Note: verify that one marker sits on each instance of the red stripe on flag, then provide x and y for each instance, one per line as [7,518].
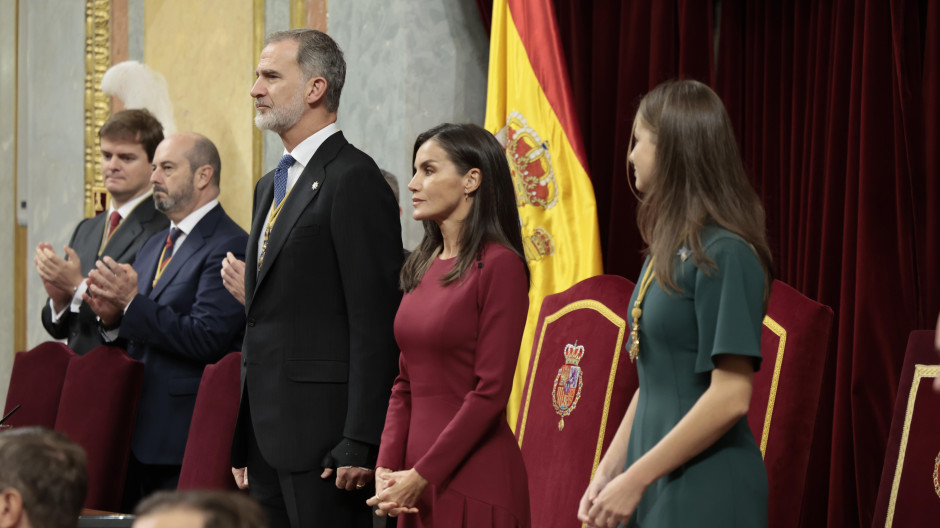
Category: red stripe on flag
[538,30]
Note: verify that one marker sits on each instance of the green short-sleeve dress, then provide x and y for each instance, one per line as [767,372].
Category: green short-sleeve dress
[680,335]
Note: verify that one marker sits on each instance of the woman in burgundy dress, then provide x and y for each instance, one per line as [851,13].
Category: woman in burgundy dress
[448,458]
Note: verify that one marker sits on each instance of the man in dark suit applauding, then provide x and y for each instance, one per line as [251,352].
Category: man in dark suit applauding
[170,310]
[321,291]
[128,140]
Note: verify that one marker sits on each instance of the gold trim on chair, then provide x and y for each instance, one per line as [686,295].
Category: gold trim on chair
[621,325]
[97,104]
[781,333]
[920,371]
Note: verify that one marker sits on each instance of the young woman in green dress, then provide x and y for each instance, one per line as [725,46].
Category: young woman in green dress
[683,454]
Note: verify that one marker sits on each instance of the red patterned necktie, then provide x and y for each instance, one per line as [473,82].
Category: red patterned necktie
[113,222]
[167,252]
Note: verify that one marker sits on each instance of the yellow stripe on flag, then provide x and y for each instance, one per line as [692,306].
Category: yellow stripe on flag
[553,190]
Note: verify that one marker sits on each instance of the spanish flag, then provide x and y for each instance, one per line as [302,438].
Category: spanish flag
[529,108]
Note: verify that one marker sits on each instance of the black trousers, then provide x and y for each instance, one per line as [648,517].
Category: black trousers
[303,499]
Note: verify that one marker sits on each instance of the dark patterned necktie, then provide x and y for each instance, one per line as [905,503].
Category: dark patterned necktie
[280,178]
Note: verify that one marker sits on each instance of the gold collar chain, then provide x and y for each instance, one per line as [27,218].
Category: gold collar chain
[638,311]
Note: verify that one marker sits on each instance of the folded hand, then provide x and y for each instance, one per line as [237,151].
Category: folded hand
[400,492]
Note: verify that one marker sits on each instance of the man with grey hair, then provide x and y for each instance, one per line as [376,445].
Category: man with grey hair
[321,292]
[43,479]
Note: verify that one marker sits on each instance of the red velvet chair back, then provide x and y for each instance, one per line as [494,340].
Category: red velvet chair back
[909,494]
[783,408]
[206,463]
[578,387]
[36,384]
[97,410]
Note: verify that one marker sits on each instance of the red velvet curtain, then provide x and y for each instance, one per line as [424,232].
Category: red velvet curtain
[837,109]
[608,77]
[829,99]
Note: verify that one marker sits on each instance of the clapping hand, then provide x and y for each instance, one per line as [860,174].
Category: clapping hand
[233,276]
[111,287]
[60,277]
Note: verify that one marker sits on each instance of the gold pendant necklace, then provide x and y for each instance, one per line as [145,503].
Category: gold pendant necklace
[638,311]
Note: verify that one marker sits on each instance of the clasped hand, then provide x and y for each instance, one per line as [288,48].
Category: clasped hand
[610,502]
[397,492]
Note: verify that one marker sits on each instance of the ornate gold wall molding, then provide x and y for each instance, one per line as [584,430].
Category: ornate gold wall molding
[97,104]
[257,140]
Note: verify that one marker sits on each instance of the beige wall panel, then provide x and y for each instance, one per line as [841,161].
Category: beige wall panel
[204,49]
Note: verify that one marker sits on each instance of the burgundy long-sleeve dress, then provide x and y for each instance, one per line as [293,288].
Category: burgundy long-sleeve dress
[446,417]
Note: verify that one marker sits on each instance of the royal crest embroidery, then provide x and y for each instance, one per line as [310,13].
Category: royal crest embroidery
[537,245]
[533,178]
[530,163]
[568,383]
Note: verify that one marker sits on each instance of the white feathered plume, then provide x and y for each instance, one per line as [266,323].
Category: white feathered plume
[140,87]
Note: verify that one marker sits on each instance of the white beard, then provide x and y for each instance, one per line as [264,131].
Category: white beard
[279,119]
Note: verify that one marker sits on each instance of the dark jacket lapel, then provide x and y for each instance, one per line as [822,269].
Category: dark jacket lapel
[264,195]
[302,193]
[130,229]
[193,243]
[87,248]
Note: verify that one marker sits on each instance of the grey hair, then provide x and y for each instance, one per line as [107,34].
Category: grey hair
[318,55]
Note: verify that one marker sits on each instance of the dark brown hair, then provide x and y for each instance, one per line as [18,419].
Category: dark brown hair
[48,470]
[134,126]
[698,179]
[493,216]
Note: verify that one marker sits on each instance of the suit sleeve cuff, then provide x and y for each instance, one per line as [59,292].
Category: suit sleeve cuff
[55,316]
[108,334]
[351,452]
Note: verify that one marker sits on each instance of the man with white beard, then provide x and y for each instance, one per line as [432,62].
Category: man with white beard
[320,293]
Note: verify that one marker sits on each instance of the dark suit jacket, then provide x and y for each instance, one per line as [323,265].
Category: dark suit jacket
[81,328]
[186,322]
[319,355]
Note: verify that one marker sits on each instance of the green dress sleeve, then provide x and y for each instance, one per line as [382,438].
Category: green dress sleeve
[729,303]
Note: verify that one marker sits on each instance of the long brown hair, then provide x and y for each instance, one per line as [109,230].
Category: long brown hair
[698,179]
[493,216]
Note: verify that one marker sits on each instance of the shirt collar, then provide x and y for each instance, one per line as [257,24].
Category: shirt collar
[128,207]
[187,224]
[303,152]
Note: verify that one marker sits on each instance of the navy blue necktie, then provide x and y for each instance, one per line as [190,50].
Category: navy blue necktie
[280,179]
